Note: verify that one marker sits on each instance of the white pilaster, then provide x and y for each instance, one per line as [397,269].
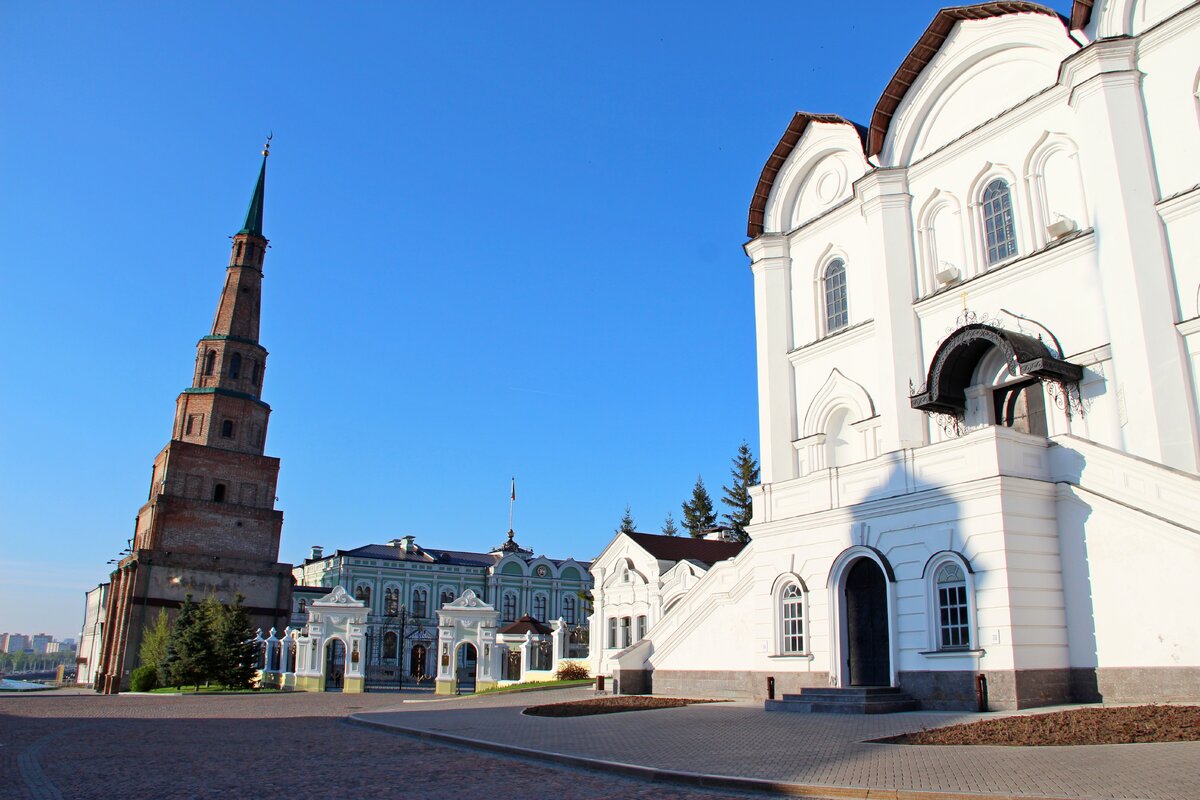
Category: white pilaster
[771,265]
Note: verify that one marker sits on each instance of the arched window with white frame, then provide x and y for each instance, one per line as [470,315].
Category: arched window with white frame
[999,225]
[568,609]
[791,618]
[952,610]
[833,285]
[420,602]
[540,607]
[508,607]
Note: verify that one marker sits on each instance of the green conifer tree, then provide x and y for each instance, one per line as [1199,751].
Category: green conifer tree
[153,651]
[737,496]
[698,514]
[627,523]
[188,647]
[669,528]
[235,656]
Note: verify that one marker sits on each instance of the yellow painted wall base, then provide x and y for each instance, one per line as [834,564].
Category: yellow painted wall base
[483,686]
[308,683]
[444,687]
[353,686]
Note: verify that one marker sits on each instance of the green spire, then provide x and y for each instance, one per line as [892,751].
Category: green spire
[254,214]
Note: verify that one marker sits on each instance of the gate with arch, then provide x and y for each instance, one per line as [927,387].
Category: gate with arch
[467,656]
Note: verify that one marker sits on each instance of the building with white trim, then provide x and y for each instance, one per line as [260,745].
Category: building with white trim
[978,342]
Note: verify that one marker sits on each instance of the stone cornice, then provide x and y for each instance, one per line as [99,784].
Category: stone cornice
[843,338]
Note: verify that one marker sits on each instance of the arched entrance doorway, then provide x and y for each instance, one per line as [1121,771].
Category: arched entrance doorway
[416,664]
[465,668]
[335,665]
[868,646]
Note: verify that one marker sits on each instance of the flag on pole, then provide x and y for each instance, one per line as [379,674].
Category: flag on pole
[514,488]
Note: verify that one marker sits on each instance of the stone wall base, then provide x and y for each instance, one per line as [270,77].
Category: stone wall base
[1008,690]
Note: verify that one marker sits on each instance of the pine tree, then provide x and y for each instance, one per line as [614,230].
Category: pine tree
[153,651]
[737,497]
[627,523]
[668,527]
[234,652]
[698,514]
[188,647]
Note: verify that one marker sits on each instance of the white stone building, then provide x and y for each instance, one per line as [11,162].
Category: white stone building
[91,637]
[978,327]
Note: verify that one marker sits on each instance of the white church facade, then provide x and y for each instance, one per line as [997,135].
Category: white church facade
[978,343]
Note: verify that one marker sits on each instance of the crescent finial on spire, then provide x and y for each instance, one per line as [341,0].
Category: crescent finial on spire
[267,147]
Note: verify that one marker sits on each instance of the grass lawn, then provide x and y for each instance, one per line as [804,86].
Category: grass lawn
[525,687]
[212,689]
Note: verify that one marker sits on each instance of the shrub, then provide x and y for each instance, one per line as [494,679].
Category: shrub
[144,678]
[572,671]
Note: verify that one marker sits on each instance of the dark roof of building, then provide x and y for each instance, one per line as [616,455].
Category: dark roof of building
[423,555]
[680,548]
[923,52]
[1081,14]
[526,624]
[321,590]
[791,137]
[254,214]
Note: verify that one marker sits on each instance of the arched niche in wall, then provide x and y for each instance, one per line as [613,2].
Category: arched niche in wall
[817,174]
[840,426]
[1054,179]
[940,229]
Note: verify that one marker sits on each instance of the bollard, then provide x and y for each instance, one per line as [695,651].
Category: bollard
[981,692]
[771,687]
[599,683]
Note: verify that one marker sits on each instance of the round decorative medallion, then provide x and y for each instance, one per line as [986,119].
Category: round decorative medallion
[542,571]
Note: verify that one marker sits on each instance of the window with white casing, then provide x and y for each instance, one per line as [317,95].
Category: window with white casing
[539,607]
[953,612]
[641,627]
[626,632]
[509,607]
[837,311]
[792,619]
[999,229]
[612,632]
[568,609]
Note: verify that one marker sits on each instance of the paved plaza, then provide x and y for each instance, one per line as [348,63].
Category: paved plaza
[306,746]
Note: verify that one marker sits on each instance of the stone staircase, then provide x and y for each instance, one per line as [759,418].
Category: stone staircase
[851,700]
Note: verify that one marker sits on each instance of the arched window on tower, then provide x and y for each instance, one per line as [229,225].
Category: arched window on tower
[235,366]
[227,429]
[837,312]
[210,362]
[998,226]
[219,493]
[254,372]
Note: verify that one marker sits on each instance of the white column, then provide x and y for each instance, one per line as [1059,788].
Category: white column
[771,265]
[887,209]
[1135,264]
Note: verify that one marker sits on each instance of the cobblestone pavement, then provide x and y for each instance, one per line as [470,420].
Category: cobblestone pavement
[295,746]
[816,750]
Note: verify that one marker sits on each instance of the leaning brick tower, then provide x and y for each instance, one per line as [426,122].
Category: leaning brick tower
[209,526]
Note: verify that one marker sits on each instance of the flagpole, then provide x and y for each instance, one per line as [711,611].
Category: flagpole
[511,500]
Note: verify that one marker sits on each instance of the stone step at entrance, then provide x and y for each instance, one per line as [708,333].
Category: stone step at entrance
[850,700]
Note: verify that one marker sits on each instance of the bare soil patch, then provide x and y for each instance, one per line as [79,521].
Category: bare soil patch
[1120,725]
[610,705]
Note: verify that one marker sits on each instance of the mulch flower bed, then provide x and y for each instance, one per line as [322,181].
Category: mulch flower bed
[610,705]
[1113,725]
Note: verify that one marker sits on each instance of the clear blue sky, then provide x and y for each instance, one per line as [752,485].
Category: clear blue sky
[506,240]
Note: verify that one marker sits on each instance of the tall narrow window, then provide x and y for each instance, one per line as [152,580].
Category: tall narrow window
[509,607]
[420,602]
[568,610]
[998,224]
[254,372]
[391,644]
[612,632]
[219,493]
[235,366]
[954,627]
[626,632]
[391,602]
[210,362]
[837,313]
[447,596]
[227,429]
[363,592]
[792,618]
[539,607]
[641,627]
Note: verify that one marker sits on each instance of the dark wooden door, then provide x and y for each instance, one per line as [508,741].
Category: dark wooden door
[867,625]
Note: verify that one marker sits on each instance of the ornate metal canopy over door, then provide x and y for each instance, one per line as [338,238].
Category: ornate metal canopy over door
[867,625]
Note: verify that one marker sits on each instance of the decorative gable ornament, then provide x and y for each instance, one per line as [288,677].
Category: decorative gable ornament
[338,597]
[467,600]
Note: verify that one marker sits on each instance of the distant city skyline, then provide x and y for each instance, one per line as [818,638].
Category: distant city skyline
[505,241]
